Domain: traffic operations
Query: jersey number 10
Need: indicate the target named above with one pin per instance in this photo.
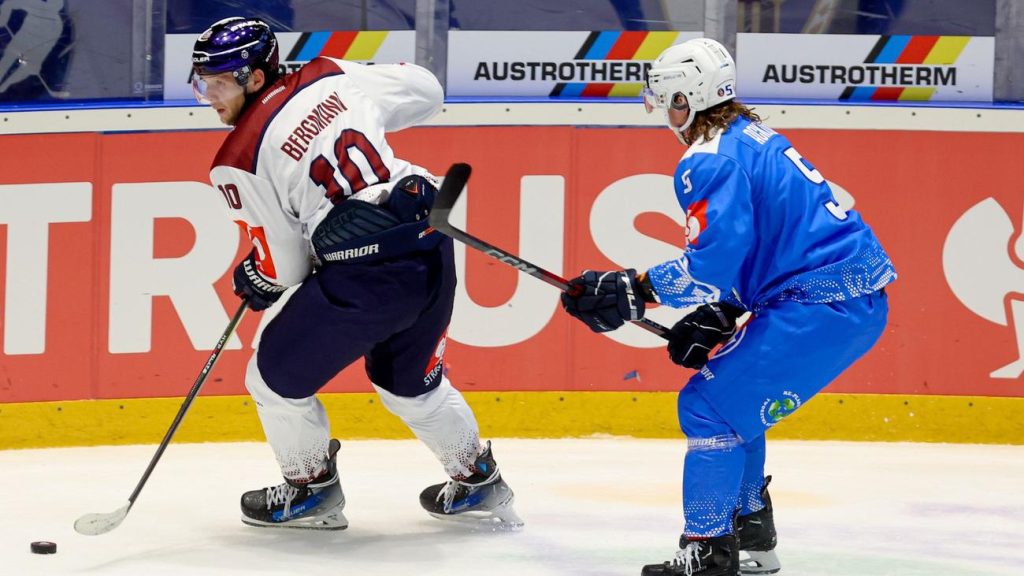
(321, 171)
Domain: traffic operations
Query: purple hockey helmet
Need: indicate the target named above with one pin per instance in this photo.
(237, 45)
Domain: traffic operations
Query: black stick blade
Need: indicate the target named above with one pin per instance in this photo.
(454, 183)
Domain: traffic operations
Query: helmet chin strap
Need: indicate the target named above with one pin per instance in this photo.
(681, 130)
(251, 97)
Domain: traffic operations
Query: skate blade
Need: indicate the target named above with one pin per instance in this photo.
(500, 519)
(331, 521)
(759, 562)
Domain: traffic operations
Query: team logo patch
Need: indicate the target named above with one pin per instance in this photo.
(439, 352)
(696, 220)
(436, 364)
(775, 409)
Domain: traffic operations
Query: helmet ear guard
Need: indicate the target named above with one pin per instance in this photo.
(242, 75)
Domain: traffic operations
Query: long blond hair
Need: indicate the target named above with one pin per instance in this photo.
(707, 122)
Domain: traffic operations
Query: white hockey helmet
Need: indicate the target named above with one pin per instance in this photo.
(700, 69)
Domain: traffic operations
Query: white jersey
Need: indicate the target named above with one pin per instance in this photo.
(314, 138)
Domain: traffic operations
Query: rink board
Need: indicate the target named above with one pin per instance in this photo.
(126, 235)
(862, 417)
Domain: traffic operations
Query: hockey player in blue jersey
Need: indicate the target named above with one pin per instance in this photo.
(765, 236)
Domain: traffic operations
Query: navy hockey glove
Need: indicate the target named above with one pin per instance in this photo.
(249, 283)
(691, 340)
(604, 300)
(412, 198)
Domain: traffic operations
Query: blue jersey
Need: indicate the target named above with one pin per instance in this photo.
(763, 226)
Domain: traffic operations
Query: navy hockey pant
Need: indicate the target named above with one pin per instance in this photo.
(394, 313)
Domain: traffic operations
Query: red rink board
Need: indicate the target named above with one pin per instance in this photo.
(945, 205)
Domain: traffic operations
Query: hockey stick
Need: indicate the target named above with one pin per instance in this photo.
(454, 182)
(96, 524)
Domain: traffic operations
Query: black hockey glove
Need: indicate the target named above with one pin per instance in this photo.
(604, 300)
(692, 338)
(249, 283)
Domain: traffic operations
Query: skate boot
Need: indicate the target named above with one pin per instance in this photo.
(482, 500)
(756, 533)
(316, 505)
(716, 556)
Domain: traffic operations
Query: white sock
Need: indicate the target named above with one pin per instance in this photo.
(443, 421)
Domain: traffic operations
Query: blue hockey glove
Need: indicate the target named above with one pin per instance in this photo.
(692, 338)
(249, 283)
(604, 300)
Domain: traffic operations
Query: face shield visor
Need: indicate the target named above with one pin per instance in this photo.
(651, 100)
(211, 88)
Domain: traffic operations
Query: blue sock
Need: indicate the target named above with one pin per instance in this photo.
(712, 469)
(753, 476)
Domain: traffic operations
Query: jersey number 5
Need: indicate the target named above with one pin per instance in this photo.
(814, 176)
(321, 171)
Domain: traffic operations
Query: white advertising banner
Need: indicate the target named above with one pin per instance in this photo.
(865, 68)
(297, 48)
(601, 64)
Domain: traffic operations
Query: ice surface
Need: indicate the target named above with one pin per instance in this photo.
(598, 506)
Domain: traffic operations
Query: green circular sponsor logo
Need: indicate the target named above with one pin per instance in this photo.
(779, 409)
(775, 409)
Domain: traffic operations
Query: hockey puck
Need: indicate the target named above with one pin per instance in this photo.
(43, 547)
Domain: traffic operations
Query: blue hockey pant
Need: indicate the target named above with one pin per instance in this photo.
(783, 357)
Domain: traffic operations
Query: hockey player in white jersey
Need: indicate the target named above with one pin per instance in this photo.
(764, 236)
(308, 175)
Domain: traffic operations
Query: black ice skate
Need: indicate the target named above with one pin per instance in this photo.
(483, 499)
(718, 556)
(317, 505)
(756, 533)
